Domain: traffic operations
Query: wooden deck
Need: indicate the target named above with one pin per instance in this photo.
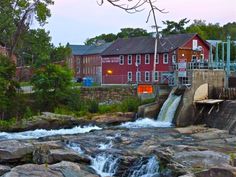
(210, 101)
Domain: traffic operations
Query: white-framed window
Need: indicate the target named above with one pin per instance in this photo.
(138, 76)
(147, 76)
(122, 59)
(165, 58)
(138, 59)
(195, 44)
(147, 58)
(129, 75)
(202, 56)
(173, 59)
(156, 76)
(157, 59)
(129, 59)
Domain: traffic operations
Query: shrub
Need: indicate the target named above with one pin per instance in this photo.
(130, 105)
(93, 106)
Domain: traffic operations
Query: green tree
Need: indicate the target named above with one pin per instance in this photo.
(7, 86)
(132, 32)
(104, 37)
(35, 47)
(60, 53)
(16, 16)
(124, 33)
(206, 31)
(173, 27)
(51, 85)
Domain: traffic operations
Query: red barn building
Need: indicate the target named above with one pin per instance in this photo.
(132, 60)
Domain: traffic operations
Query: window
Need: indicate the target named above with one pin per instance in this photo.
(165, 58)
(157, 59)
(147, 58)
(147, 76)
(129, 59)
(156, 76)
(122, 59)
(138, 76)
(202, 56)
(129, 76)
(194, 58)
(194, 44)
(173, 59)
(138, 60)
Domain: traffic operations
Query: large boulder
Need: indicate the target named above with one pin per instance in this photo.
(202, 159)
(14, 151)
(57, 155)
(114, 118)
(4, 169)
(217, 172)
(62, 169)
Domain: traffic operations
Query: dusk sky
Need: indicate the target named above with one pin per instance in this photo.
(74, 21)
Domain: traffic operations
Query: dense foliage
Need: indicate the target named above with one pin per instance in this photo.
(51, 85)
(8, 86)
(124, 33)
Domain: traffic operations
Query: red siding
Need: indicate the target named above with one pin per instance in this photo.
(120, 72)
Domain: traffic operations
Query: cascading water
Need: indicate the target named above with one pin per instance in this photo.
(168, 109)
(105, 164)
(165, 116)
(44, 133)
(145, 168)
(76, 147)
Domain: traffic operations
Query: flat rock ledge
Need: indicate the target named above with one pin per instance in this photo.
(62, 169)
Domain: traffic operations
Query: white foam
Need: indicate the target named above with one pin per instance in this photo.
(104, 146)
(146, 122)
(44, 133)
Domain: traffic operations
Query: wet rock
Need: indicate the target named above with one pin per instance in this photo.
(46, 121)
(14, 151)
(202, 159)
(58, 155)
(114, 118)
(41, 154)
(217, 172)
(4, 169)
(62, 169)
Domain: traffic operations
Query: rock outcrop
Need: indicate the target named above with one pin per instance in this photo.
(62, 169)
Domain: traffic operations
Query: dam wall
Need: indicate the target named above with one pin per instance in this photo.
(187, 113)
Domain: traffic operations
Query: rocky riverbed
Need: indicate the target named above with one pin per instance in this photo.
(121, 151)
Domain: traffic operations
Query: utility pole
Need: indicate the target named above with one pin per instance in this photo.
(156, 40)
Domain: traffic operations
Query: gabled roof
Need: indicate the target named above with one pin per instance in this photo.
(142, 45)
(88, 49)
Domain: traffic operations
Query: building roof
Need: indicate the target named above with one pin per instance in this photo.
(79, 49)
(88, 49)
(141, 45)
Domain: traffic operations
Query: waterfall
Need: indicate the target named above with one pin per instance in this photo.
(168, 109)
(165, 116)
(145, 168)
(44, 133)
(105, 164)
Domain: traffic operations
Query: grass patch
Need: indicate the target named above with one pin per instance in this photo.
(23, 84)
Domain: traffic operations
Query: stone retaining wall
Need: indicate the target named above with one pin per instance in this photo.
(108, 94)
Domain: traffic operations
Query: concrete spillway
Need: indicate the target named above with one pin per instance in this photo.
(223, 117)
